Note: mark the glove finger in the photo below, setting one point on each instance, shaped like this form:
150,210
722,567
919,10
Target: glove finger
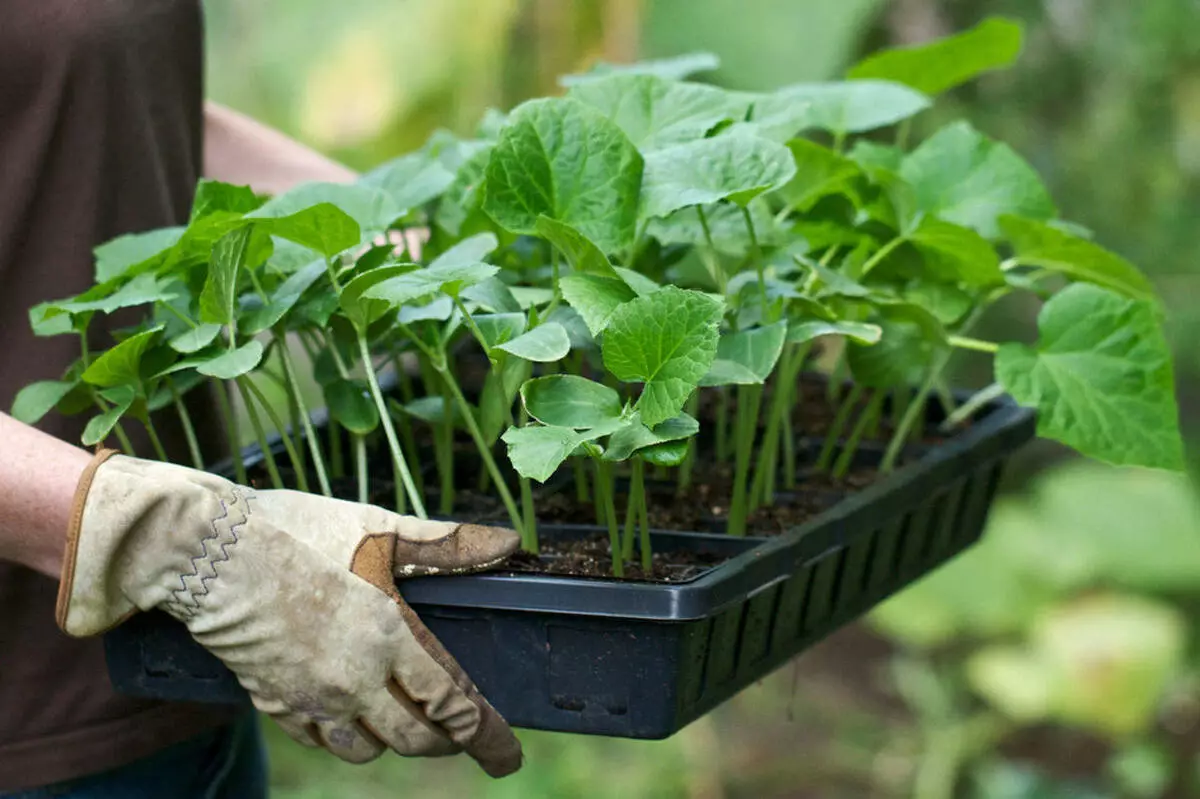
393,717
348,740
465,548
298,729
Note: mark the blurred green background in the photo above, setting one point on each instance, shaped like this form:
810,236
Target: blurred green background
1058,659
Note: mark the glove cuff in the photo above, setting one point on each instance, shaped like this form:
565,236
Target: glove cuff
66,580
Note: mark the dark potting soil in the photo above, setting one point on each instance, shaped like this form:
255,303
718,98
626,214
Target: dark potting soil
589,557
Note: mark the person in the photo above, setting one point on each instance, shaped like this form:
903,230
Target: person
104,131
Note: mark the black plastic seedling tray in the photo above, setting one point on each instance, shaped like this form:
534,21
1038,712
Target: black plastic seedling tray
642,660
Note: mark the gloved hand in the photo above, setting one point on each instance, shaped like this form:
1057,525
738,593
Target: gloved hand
295,593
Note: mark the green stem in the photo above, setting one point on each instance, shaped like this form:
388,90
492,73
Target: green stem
259,435
711,259
722,424
789,451
978,345
604,489
836,428
880,254
528,535
778,428
185,421
637,489
969,408
310,435
399,464
229,422
337,462
155,441
581,486
445,451
360,468
528,513
288,444
756,254
915,409
833,388
749,401
644,524
842,467
689,459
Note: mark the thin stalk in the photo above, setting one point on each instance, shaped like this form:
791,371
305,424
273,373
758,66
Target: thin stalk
978,345
404,383
637,490
528,513
122,438
554,277
528,535
296,427
604,488
789,451
288,444
260,436
155,441
722,424
337,463
915,409
229,422
945,398
749,401
644,524
762,489
360,468
185,421
871,413
689,459
581,486
711,260
969,408
880,254
399,464
833,388
310,435
836,428
756,254
445,451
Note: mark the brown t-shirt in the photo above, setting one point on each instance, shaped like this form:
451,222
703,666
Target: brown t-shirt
100,134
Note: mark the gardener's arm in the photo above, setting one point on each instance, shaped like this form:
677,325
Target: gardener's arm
237,149
39,474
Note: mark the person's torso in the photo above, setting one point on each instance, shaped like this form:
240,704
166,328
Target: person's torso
100,134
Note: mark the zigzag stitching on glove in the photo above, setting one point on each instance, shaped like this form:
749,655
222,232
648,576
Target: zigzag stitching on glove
225,534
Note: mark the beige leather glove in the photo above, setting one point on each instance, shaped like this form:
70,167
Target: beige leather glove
295,593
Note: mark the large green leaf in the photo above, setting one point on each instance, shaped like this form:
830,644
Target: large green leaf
570,401
499,328
415,284
1048,247
470,250
362,309
737,166
118,256
966,178
322,227
657,113
635,436
351,406
559,158
673,68
410,180
911,342
819,172
667,341
582,254
120,365
493,294
462,198
98,427
213,196
218,299
838,107
747,357
537,452
373,209
546,343
725,223
956,254
195,339
595,298
143,289
945,63
233,363
37,399
283,299
860,332
1100,377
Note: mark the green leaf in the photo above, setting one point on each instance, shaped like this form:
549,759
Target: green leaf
945,63
141,290
656,113
546,343
37,399
840,107
948,303
860,332
195,339
635,436
431,410
725,223
410,181
120,255
362,309
747,357
736,167
98,427
640,284
956,254
351,406
500,328
666,340
1041,245
1100,377
669,453
570,401
537,452
213,196
323,227
469,251
234,363
120,365
559,158
462,198
581,253
912,340
283,300
418,283
595,298
964,177
371,208
218,300
674,68
819,172
873,156
493,294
